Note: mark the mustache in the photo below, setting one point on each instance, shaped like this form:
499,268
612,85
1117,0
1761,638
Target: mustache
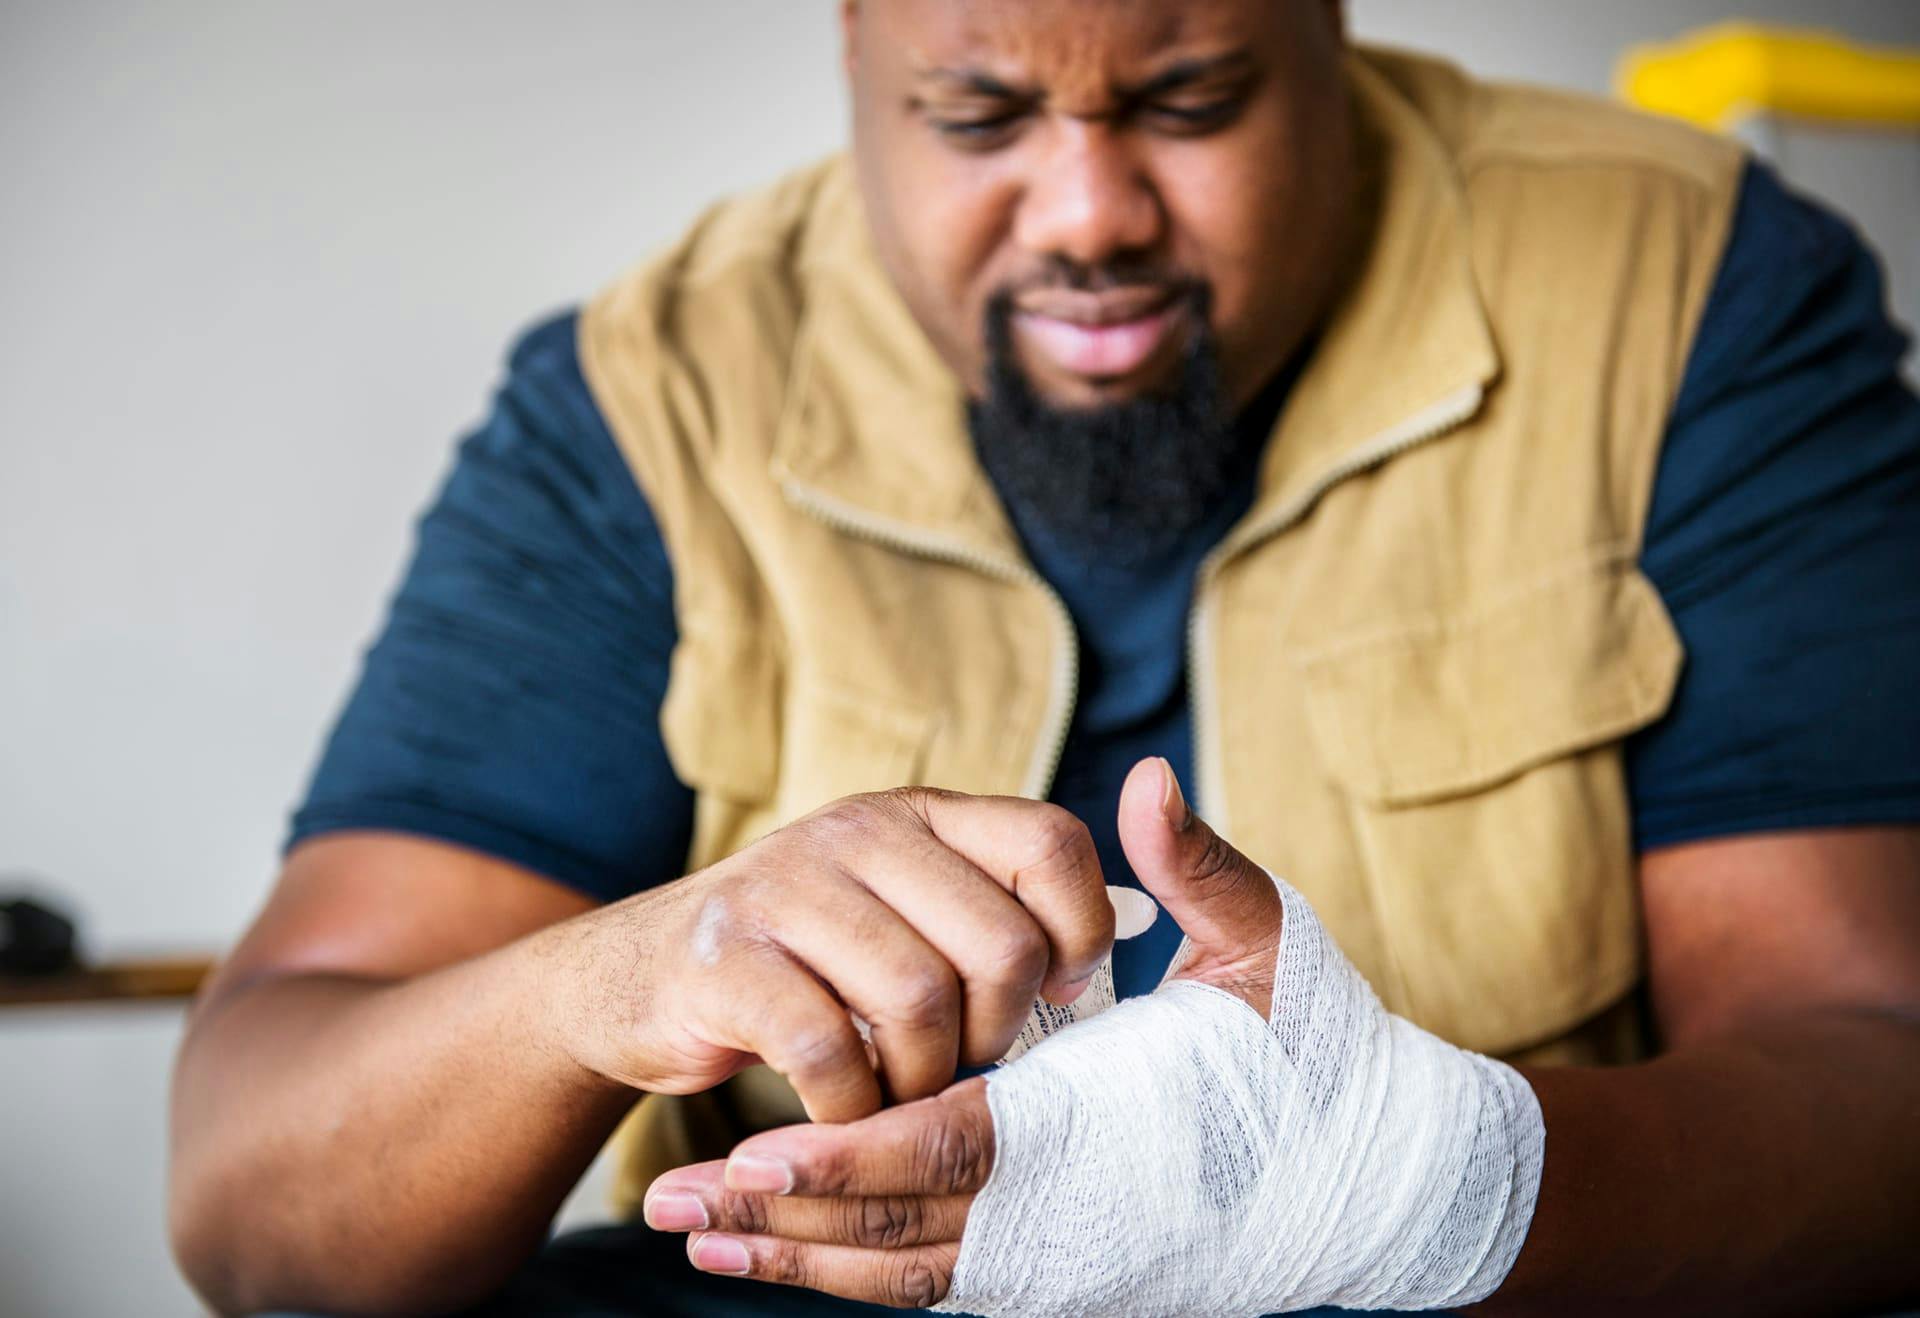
1062,274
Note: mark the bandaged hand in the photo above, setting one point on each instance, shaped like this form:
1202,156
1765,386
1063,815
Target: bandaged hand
1257,1136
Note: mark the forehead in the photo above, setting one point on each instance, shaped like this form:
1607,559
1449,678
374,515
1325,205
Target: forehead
1063,44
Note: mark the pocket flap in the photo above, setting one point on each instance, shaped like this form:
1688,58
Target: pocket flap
721,715
1454,705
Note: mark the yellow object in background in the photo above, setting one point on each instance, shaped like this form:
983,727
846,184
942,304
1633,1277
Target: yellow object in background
1720,76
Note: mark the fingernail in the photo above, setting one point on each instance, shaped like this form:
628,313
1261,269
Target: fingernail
721,1254
1070,992
758,1175
676,1212
1133,912
1173,803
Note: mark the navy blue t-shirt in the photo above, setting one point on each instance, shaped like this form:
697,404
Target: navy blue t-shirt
511,703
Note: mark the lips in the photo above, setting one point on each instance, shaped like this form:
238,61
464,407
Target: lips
1098,337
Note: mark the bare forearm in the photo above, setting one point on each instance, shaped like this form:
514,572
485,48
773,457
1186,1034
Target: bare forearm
1776,1172
399,1142
357,1146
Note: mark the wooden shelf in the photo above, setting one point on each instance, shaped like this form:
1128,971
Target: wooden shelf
165,979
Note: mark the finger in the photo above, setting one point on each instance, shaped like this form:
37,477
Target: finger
914,1278
903,988
995,945
776,1009
696,1199
937,1147
1045,857
1226,904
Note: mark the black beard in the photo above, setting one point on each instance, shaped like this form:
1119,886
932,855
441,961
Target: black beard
1124,482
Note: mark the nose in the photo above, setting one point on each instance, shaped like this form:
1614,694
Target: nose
1088,201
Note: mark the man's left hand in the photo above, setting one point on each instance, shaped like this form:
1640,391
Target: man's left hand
873,1210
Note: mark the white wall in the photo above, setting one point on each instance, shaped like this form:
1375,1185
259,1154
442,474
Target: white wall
259,268
258,261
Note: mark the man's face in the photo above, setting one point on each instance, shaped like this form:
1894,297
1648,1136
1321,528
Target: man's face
1110,171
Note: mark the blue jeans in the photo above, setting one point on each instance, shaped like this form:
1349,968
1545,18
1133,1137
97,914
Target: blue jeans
631,1272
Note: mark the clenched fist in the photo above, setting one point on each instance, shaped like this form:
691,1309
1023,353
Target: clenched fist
937,918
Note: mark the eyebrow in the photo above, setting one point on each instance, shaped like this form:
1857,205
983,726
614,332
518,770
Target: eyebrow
979,82
1187,72
1181,74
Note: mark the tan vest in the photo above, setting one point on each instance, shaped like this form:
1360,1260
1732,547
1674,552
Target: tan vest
1412,663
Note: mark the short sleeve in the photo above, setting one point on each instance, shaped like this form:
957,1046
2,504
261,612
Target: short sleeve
1784,536
511,703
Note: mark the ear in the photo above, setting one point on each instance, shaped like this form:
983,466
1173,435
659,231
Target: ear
850,37
1336,18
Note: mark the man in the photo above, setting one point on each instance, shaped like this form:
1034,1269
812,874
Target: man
1498,507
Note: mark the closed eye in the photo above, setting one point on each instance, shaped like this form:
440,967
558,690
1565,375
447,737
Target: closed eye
979,131
1211,115
1197,116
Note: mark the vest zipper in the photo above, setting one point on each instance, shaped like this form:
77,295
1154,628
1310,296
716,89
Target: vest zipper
1209,789
1064,681
1209,793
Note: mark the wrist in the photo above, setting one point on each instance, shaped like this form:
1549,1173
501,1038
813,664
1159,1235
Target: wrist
1332,1154
579,1009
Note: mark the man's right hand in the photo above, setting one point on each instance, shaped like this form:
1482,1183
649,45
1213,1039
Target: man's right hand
936,917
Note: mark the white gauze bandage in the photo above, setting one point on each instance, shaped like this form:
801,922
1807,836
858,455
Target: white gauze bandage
1178,1155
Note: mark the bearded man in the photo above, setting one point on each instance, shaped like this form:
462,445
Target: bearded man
1497,509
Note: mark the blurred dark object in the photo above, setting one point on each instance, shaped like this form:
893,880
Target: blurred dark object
40,963
34,939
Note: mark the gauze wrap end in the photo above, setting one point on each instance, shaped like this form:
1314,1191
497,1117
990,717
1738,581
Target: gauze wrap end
1176,1154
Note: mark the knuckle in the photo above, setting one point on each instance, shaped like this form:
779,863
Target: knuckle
831,1173
916,802
742,894
949,1155
716,929
815,1049
1018,955
883,1222
783,1263
912,1283
847,826
833,832
893,810
1060,838
1217,862
928,997
746,1213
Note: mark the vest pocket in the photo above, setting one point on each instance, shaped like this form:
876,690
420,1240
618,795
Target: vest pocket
1478,760
840,742
1454,707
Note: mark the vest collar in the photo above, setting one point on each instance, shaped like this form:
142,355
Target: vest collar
874,434
1408,354
874,438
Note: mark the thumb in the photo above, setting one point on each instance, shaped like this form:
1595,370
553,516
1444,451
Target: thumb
1226,904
